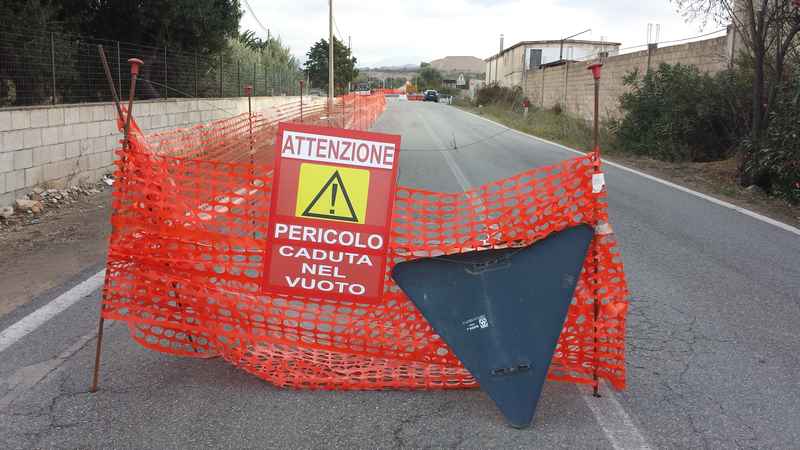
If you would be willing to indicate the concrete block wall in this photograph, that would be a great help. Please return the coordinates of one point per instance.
(572, 85)
(64, 145)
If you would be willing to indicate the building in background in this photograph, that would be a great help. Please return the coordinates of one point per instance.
(458, 64)
(508, 68)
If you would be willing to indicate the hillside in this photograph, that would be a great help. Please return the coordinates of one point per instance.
(468, 64)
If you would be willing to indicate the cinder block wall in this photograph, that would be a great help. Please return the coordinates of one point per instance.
(64, 145)
(572, 85)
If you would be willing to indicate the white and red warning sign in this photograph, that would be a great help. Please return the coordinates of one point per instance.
(332, 199)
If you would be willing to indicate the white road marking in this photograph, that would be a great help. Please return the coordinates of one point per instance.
(27, 377)
(34, 320)
(448, 158)
(716, 201)
(617, 425)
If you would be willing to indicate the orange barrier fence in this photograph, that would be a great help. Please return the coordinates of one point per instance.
(191, 210)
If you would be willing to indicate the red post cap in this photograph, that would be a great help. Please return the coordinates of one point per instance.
(135, 63)
(248, 90)
(595, 68)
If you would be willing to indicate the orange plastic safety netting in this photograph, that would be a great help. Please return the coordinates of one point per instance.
(186, 255)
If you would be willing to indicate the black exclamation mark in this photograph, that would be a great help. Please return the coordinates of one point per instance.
(333, 198)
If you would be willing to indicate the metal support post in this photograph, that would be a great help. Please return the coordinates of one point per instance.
(119, 68)
(135, 64)
(248, 91)
(195, 74)
(301, 101)
(596, 71)
(331, 84)
(53, 64)
(166, 75)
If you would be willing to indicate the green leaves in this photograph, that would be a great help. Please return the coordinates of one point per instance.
(676, 113)
(775, 165)
(316, 67)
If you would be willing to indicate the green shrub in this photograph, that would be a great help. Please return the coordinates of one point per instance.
(494, 94)
(676, 113)
(775, 164)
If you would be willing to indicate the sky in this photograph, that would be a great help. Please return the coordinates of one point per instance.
(410, 31)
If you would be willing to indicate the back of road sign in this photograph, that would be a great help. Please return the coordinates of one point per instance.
(502, 311)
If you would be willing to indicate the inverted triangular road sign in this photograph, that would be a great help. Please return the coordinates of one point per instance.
(502, 311)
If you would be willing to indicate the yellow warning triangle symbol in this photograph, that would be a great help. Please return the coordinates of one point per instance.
(328, 202)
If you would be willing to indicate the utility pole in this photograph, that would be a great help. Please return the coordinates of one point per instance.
(330, 58)
(350, 55)
(561, 52)
(497, 61)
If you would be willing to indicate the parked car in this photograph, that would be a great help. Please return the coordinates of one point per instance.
(431, 96)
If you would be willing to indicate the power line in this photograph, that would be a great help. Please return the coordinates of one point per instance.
(644, 46)
(339, 33)
(252, 13)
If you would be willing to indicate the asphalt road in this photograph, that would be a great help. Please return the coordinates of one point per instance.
(713, 356)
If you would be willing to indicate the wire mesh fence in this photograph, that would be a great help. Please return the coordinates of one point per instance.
(54, 68)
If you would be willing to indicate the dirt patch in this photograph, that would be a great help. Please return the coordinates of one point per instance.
(42, 251)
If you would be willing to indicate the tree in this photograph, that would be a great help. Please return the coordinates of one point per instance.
(316, 66)
(768, 29)
(186, 25)
(429, 78)
(26, 44)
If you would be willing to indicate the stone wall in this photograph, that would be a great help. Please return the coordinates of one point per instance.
(572, 86)
(64, 145)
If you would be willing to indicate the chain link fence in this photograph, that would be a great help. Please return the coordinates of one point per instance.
(54, 68)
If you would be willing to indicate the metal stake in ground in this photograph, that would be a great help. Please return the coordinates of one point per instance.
(248, 91)
(301, 100)
(110, 80)
(135, 64)
(596, 70)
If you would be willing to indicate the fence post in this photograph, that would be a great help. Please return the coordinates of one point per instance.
(119, 70)
(238, 78)
(166, 83)
(265, 78)
(254, 78)
(543, 70)
(220, 76)
(53, 64)
(195, 74)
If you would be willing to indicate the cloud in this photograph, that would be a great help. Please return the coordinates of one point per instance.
(411, 31)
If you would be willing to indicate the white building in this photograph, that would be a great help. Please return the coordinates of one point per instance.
(508, 68)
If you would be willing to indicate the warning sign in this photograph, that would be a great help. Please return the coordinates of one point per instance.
(330, 214)
(332, 193)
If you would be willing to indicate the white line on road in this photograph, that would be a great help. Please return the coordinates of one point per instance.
(34, 320)
(448, 158)
(716, 201)
(27, 377)
(617, 425)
